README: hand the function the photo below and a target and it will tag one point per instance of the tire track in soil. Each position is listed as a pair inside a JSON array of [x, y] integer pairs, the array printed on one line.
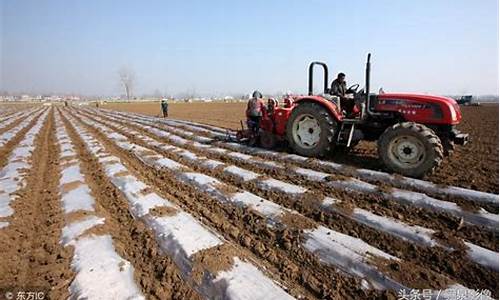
[[455, 264], [155, 272], [9, 147], [32, 256], [279, 251], [446, 225]]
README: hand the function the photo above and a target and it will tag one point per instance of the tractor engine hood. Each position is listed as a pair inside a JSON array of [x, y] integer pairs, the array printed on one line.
[[447, 107]]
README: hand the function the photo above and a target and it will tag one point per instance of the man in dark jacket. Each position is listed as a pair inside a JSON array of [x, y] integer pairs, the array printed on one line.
[[339, 89], [164, 108]]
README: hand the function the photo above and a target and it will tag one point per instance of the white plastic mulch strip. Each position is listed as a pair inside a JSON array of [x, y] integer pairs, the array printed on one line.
[[366, 174], [210, 128], [181, 236], [190, 127], [12, 175], [412, 233], [416, 184], [351, 255], [206, 126], [11, 133], [481, 218], [331, 254], [5, 114], [101, 273], [14, 117], [418, 234]]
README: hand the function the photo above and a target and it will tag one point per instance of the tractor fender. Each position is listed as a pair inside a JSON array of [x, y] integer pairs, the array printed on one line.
[[330, 106]]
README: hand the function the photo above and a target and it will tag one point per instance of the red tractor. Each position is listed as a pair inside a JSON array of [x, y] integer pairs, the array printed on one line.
[[413, 132]]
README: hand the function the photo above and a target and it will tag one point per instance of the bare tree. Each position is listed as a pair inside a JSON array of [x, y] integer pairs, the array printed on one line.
[[127, 79]]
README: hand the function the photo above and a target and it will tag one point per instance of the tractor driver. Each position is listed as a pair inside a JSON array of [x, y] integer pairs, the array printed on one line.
[[255, 108], [339, 89]]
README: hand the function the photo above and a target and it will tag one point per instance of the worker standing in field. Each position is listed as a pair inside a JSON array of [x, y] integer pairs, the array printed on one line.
[[255, 108], [339, 89], [164, 108]]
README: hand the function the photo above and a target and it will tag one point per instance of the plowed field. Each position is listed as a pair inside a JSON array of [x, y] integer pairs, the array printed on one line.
[[474, 166], [103, 204]]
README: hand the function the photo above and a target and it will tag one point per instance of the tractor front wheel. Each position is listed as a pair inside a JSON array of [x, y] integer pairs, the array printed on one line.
[[310, 130], [410, 149]]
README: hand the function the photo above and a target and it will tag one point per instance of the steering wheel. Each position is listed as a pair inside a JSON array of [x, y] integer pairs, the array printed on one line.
[[353, 89]]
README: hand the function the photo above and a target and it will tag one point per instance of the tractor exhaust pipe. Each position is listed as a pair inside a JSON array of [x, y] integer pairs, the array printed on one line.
[[365, 105], [367, 78], [368, 108]]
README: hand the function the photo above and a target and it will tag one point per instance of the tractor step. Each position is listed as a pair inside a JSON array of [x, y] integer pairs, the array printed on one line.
[[346, 132]]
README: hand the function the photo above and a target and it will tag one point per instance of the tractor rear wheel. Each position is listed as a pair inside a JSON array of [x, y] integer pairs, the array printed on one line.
[[310, 130], [410, 149]]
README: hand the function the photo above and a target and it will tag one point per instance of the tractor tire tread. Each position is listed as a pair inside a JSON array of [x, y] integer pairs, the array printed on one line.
[[434, 148]]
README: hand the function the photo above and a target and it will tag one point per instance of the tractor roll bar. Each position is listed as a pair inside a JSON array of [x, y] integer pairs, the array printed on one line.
[[311, 75]]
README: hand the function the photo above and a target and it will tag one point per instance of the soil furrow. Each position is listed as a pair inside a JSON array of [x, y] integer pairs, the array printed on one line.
[[279, 250], [185, 250], [345, 171], [448, 226], [105, 130], [5, 116], [11, 144], [156, 273], [33, 258], [13, 124], [99, 271], [456, 264]]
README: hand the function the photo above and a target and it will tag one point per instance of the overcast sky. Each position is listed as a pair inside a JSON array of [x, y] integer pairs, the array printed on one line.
[[223, 47]]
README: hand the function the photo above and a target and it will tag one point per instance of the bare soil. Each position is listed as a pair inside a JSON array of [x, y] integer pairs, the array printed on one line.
[[473, 166], [32, 254], [436, 260]]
